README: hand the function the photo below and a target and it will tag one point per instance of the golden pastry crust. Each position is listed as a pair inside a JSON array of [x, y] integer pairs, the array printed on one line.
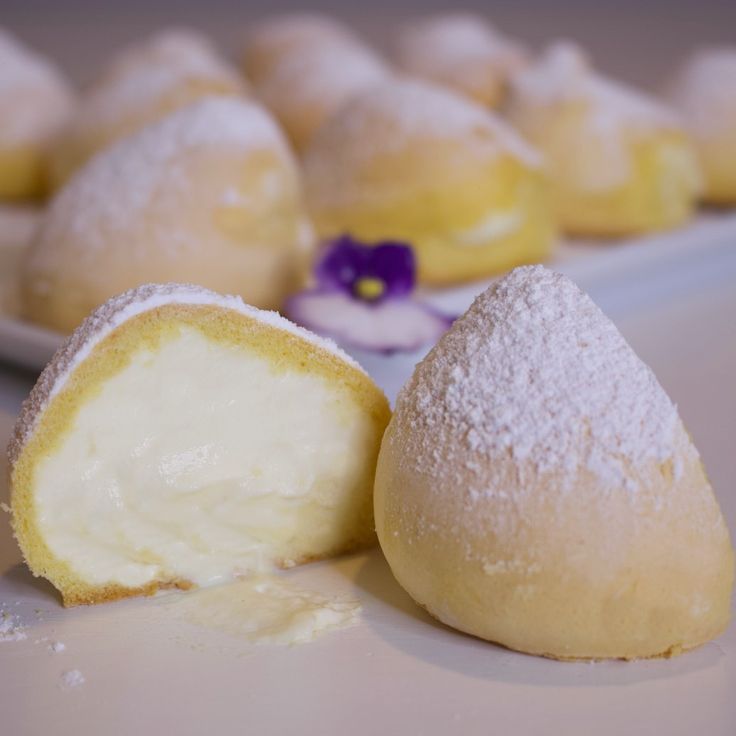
[[100, 348]]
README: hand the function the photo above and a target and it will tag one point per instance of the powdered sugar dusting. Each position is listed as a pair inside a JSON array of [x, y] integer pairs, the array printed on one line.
[[132, 93], [324, 74], [137, 167], [564, 74], [11, 628], [72, 679], [385, 117], [114, 313], [534, 370]]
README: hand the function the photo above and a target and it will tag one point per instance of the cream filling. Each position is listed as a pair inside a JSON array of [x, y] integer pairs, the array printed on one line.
[[265, 609], [200, 461], [493, 226]]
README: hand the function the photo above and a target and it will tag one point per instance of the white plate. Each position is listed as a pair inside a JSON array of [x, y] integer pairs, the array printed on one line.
[[397, 672]]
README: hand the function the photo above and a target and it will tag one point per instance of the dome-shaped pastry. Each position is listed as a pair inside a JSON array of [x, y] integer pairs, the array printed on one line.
[[410, 161], [537, 488], [209, 195]]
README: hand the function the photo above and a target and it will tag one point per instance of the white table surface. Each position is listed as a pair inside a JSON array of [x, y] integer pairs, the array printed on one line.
[[398, 671]]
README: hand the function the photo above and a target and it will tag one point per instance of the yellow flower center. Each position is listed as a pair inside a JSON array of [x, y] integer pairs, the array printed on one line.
[[369, 288]]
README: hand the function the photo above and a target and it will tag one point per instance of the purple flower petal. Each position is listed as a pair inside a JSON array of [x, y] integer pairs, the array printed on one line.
[[395, 265], [391, 326], [342, 262], [367, 272]]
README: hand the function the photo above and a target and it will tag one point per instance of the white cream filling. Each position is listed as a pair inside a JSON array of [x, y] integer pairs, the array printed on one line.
[[199, 461], [493, 226], [265, 609]]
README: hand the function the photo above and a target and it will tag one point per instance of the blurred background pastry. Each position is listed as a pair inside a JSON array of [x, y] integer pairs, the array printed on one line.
[[410, 161], [176, 47], [462, 51], [18, 225], [308, 84], [704, 93], [269, 40], [142, 84], [620, 162], [208, 195], [35, 101]]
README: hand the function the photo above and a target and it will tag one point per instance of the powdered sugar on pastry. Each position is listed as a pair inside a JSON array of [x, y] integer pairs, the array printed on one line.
[[412, 109], [534, 369], [564, 74], [141, 89], [136, 167], [323, 75], [588, 125]]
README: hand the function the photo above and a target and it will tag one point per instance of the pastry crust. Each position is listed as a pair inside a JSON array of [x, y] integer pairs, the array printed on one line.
[[102, 347], [536, 487]]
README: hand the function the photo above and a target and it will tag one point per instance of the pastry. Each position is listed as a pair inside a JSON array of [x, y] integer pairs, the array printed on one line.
[[308, 85], [461, 51], [408, 161], [181, 438], [620, 162], [18, 225], [142, 85], [537, 488], [35, 101], [176, 47], [209, 194], [268, 42], [704, 93]]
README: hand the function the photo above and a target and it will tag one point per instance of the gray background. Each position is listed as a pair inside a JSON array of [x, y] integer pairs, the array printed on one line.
[[638, 40]]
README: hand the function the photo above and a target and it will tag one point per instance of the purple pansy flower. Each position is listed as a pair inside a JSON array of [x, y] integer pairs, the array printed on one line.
[[363, 298]]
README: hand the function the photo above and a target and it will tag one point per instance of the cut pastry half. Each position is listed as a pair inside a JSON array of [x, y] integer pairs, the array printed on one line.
[[181, 438]]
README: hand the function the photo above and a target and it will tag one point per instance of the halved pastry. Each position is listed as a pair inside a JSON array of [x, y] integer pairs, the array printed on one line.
[[182, 438]]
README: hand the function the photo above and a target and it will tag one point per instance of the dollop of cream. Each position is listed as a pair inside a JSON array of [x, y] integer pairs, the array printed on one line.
[[265, 609]]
